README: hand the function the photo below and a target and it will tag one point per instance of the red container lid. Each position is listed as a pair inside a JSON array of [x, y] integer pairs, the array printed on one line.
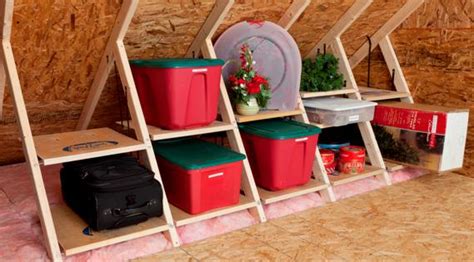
[[352, 151]]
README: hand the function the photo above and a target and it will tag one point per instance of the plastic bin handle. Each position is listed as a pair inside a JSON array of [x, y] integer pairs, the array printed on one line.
[[199, 70], [215, 175], [301, 139]]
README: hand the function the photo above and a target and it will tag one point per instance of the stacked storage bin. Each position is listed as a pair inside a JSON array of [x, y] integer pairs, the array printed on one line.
[[198, 175], [280, 152], [178, 93]]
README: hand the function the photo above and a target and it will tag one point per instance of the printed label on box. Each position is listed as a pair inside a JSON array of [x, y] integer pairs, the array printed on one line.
[[411, 119]]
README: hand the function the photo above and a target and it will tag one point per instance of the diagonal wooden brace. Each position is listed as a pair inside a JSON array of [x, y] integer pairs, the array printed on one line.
[[394, 22], [354, 12]]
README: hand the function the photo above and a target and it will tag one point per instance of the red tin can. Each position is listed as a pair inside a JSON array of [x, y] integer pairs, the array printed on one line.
[[329, 160], [352, 159]]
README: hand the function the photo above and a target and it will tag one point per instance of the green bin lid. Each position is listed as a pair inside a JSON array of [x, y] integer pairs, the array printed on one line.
[[191, 153], [177, 62], [279, 129]]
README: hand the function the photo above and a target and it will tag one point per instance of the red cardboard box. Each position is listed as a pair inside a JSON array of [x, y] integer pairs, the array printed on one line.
[[431, 137]]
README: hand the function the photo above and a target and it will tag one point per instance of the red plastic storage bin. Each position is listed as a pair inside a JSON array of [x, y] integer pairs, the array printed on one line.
[[199, 176], [178, 93], [280, 152]]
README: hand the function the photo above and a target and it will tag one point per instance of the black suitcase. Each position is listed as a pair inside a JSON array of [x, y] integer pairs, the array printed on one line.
[[111, 192]]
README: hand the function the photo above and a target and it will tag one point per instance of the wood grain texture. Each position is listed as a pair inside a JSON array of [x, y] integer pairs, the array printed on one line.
[[58, 45]]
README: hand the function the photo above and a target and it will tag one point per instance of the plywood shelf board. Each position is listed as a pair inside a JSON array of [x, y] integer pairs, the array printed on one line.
[[78, 145], [375, 94], [312, 186], [268, 114], [393, 166], [346, 178], [72, 240], [305, 94], [157, 133], [182, 218]]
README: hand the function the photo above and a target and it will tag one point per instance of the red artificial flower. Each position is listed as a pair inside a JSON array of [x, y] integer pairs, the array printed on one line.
[[260, 80], [233, 80], [253, 88]]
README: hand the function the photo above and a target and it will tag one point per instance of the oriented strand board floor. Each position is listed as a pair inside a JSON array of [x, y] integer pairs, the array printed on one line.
[[429, 218]]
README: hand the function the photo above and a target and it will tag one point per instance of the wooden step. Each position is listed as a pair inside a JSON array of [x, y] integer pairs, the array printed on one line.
[[269, 197], [157, 133], [345, 178], [267, 114], [182, 218], [305, 94], [70, 227], [375, 94], [78, 145]]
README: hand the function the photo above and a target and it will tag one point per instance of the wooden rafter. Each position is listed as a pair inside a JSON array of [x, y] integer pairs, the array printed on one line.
[[394, 22], [292, 14], [209, 28], [341, 25]]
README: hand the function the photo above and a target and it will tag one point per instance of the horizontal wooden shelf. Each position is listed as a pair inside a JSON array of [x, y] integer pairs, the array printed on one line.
[[375, 94], [78, 145], [69, 229], [157, 133], [345, 178], [160, 134], [305, 94], [182, 218], [267, 114], [393, 166], [320, 125], [269, 197]]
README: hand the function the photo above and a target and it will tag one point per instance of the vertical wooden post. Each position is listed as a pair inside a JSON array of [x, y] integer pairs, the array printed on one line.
[[8, 60], [372, 147], [3, 79], [392, 63]]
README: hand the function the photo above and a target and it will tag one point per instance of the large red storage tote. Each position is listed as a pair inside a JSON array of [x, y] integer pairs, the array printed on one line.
[[281, 152], [199, 176], [178, 93]]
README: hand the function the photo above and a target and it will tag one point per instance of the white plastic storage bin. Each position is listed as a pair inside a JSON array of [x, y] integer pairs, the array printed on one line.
[[335, 111]]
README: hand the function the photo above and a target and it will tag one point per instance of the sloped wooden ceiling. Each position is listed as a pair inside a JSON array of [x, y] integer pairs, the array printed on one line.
[[58, 45]]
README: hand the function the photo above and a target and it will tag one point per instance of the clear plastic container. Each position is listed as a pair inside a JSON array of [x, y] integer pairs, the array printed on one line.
[[276, 55], [334, 111]]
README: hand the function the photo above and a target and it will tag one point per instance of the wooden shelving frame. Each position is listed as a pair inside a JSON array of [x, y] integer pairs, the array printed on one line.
[[320, 182], [62, 227], [381, 38], [333, 41], [250, 200]]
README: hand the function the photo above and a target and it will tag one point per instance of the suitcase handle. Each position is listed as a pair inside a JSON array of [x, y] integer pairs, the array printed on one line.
[[134, 211]]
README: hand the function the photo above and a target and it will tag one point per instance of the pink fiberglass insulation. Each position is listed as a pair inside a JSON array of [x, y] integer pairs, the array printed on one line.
[[21, 237]]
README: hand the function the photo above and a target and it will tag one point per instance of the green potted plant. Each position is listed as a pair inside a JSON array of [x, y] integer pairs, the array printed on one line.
[[249, 90], [321, 74]]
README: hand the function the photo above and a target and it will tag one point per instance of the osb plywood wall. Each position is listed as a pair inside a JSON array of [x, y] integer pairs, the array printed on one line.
[[58, 45]]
